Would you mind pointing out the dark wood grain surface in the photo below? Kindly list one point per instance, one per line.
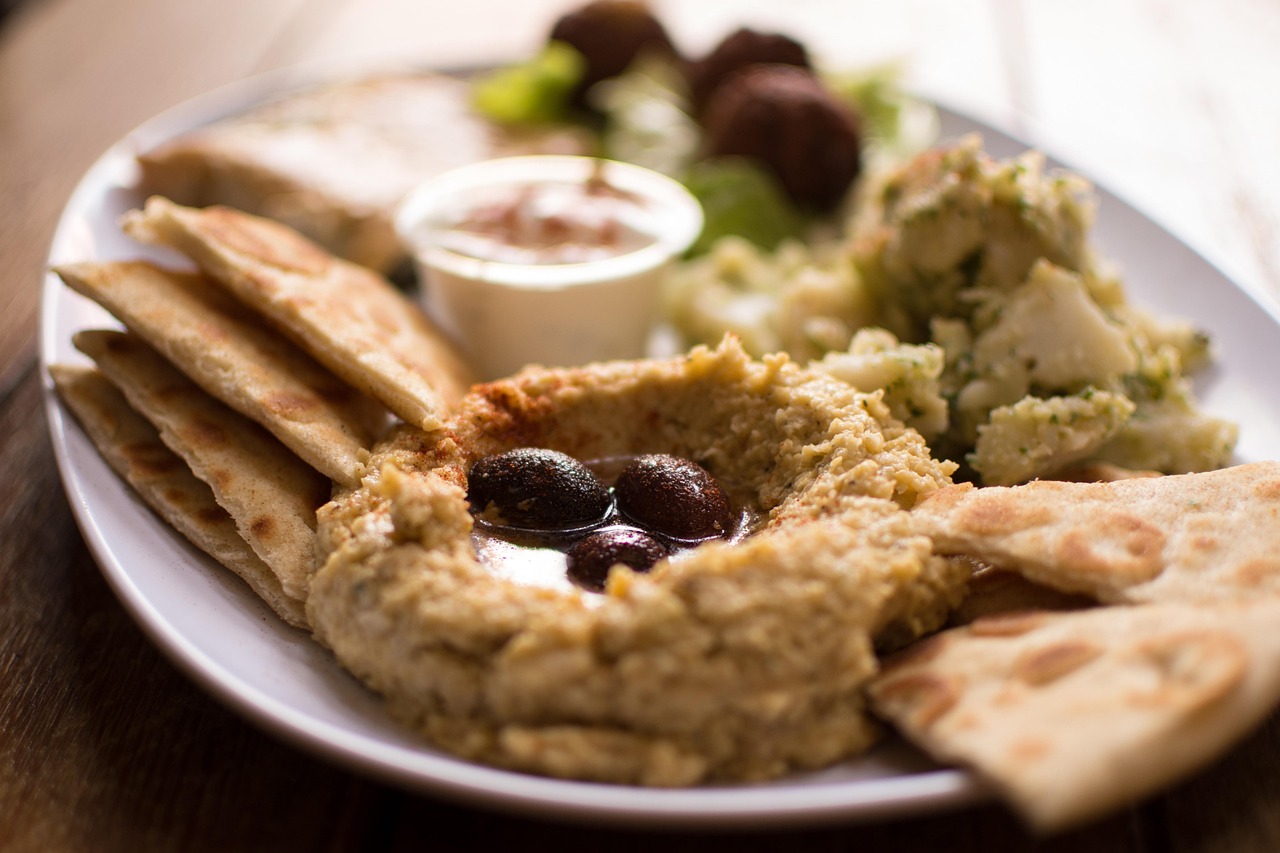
(105, 745)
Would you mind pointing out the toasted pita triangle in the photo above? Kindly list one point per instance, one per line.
(1074, 714)
(271, 494)
(348, 317)
(132, 447)
(250, 367)
(1189, 537)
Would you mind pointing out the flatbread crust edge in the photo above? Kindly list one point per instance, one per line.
(1208, 536)
(133, 449)
(1072, 715)
(347, 317)
(250, 367)
(271, 494)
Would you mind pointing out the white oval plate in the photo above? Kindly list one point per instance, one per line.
(214, 628)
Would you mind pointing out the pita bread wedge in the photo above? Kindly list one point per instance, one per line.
(133, 449)
(333, 161)
(250, 367)
(1071, 715)
(1190, 537)
(348, 317)
(271, 494)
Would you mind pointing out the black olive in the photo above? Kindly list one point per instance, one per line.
(674, 497)
(538, 489)
(591, 557)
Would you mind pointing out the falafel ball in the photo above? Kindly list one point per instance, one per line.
(610, 34)
(739, 49)
(785, 119)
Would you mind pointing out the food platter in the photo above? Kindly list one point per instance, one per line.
(224, 638)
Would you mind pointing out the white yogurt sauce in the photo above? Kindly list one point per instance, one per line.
(549, 223)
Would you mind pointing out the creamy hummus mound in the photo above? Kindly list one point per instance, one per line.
(732, 662)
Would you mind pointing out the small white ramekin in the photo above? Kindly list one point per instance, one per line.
(508, 315)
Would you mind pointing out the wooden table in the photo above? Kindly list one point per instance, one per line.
(105, 746)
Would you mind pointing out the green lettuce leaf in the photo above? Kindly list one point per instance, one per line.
(534, 92)
(739, 198)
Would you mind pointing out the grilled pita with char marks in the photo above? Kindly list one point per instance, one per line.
(1074, 714)
(225, 350)
(271, 494)
(1189, 537)
(133, 449)
(348, 317)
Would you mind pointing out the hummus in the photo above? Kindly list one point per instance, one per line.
(737, 661)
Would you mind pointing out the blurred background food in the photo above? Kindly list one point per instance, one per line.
(1173, 105)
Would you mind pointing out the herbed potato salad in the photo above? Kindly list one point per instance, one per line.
(965, 287)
